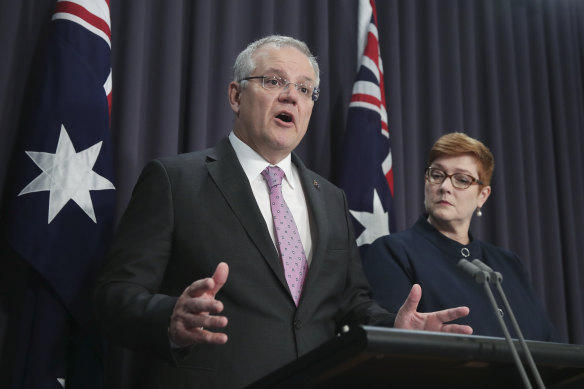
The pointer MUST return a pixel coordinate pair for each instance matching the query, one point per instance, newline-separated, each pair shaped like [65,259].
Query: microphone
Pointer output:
[479,275]
[484,278]
[497,279]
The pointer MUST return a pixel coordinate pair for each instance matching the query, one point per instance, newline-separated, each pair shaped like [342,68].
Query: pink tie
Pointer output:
[286,232]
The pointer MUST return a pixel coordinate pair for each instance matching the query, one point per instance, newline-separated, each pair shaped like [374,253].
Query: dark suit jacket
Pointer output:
[187,214]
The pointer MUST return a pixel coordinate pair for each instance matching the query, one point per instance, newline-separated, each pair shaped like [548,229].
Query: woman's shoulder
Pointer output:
[498,251]
[409,243]
[501,257]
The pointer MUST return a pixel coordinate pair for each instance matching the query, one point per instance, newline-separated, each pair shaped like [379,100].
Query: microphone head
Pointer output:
[482,265]
[495,275]
[479,275]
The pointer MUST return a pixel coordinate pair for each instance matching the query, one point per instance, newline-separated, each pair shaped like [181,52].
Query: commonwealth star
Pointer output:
[376,223]
[67,175]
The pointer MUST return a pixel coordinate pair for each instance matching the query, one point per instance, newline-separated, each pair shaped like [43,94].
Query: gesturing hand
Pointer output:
[195,310]
[409,318]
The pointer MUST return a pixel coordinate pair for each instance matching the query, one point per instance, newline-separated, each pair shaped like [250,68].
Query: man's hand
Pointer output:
[409,318]
[194,312]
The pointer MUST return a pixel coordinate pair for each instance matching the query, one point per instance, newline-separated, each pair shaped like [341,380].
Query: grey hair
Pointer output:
[245,65]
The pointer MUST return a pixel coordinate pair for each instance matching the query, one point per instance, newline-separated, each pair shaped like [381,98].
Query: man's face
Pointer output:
[273,122]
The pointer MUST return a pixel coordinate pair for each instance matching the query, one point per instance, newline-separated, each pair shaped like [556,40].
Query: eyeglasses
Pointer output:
[459,180]
[276,83]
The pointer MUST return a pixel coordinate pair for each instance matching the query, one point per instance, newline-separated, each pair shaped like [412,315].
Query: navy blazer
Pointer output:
[425,256]
[190,212]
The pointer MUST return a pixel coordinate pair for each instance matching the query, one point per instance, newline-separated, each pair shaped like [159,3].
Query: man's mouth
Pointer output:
[285,117]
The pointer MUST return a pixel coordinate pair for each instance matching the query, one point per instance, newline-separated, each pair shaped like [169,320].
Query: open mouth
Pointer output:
[284,117]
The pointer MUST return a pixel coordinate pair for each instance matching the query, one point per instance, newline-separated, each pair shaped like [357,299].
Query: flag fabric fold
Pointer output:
[60,198]
[366,173]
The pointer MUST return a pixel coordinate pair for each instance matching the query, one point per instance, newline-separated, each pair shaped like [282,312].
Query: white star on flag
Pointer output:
[68,175]
[376,223]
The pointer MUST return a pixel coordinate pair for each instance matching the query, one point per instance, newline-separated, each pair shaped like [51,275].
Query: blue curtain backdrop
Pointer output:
[509,72]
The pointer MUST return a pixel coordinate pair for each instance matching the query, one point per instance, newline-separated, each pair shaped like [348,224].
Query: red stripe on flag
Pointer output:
[372,49]
[389,178]
[372,2]
[365,98]
[109,104]
[384,126]
[81,12]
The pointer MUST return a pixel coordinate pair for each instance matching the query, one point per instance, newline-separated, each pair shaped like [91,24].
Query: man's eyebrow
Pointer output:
[274,71]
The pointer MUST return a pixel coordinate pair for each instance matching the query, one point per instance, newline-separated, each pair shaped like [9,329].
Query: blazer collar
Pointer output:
[227,173]
[315,199]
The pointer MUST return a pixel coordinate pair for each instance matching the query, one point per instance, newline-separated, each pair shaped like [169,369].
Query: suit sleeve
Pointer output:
[128,308]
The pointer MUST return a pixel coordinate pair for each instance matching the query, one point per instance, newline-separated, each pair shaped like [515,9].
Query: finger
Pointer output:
[201,321]
[220,276]
[210,337]
[199,287]
[413,299]
[214,322]
[183,337]
[457,329]
[181,319]
[451,314]
[200,305]
[204,335]
[212,284]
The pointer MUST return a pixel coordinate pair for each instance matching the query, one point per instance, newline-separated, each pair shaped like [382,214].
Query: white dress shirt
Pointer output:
[253,164]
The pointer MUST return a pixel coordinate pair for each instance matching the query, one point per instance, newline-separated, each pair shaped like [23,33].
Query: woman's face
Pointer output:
[451,207]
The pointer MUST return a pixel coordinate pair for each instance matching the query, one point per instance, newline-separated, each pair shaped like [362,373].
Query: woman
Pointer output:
[456,185]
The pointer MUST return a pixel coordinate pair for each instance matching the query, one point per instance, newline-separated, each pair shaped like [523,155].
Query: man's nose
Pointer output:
[290,93]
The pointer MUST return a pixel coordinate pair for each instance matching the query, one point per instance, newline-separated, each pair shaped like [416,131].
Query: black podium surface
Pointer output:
[375,357]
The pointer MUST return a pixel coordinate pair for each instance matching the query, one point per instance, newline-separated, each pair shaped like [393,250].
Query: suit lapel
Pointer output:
[228,175]
[319,228]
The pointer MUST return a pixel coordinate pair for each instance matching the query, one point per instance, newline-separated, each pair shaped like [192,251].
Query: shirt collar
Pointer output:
[253,164]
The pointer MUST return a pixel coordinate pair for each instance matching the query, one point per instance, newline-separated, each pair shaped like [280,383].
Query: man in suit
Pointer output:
[209,213]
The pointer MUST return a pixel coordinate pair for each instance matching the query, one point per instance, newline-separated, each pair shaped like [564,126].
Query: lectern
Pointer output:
[375,357]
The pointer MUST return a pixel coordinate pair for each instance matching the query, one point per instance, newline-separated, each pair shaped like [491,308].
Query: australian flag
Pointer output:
[366,169]
[58,215]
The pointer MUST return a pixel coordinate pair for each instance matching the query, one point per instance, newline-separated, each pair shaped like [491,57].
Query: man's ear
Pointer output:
[234,96]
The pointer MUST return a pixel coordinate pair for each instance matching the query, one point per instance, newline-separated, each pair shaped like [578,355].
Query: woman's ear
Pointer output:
[484,195]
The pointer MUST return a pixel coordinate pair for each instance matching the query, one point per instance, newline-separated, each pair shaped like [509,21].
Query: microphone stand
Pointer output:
[483,277]
[497,279]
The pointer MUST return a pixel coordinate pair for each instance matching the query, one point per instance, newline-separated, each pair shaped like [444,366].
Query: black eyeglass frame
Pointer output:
[315,91]
[472,180]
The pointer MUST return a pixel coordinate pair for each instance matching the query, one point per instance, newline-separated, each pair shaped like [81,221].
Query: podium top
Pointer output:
[375,357]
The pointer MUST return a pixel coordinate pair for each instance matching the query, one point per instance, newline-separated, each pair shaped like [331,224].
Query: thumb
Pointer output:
[220,276]
[413,299]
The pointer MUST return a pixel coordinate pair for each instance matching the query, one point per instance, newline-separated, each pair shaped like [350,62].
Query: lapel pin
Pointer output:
[316,184]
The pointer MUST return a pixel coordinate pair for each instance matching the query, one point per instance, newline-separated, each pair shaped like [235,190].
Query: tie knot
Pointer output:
[273,175]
